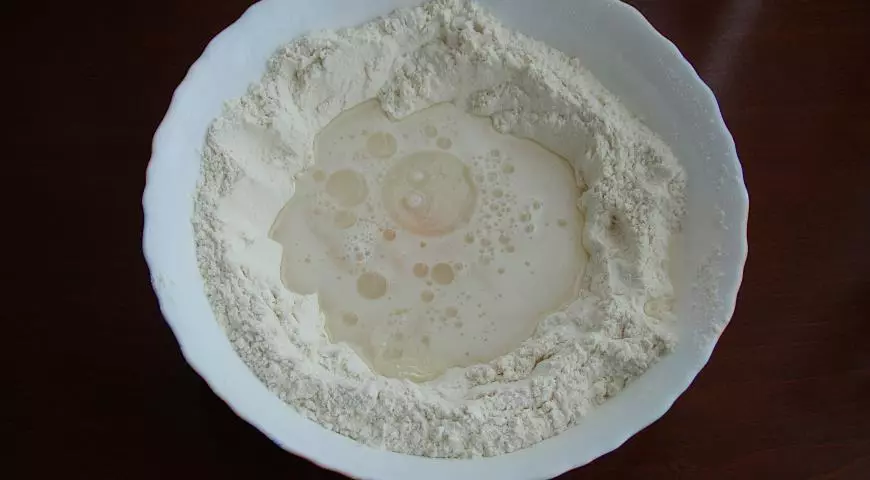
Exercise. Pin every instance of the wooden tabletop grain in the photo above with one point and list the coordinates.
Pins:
(100, 389)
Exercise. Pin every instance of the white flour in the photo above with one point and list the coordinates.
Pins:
(443, 51)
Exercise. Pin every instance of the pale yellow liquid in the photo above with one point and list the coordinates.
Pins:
(434, 242)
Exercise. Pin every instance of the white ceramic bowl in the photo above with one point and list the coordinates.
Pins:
(630, 58)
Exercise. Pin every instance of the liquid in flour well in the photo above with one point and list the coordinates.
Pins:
(433, 242)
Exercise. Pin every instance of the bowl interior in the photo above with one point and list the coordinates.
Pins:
(628, 56)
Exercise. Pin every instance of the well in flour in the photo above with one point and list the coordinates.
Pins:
(424, 192)
(402, 161)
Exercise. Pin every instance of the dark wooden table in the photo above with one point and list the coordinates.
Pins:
(100, 389)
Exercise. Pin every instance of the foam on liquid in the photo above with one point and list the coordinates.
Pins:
(434, 242)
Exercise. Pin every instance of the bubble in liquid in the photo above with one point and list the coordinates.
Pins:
(416, 176)
(443, 274)
(420, 270)
(427, 296)
(350, 319)
(444, 143)
(498, 193)
(347, 187)
(451, 312)
(371, 285)
(430, 131)
(381, 145)
(415, 200)
(344, 219)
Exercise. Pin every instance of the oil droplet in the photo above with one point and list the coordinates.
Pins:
(530, 228)
(444, 143)
(381, 145)
(442, 273)
(389, 235)
(440, 202)
(498, 193)
(469, 238)
(451, 312)
(430, 131)
(347, 187)
(319, 176)
(504, 239)
(350, 319)
(371, 285)
(508, 168)
(344, 219)
(537, 205)
(562, 222)
(420, 270)
(425, 340)
(427, 296)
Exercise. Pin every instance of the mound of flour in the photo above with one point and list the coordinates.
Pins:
(443, 51)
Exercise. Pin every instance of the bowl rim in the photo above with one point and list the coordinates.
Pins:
(198, 360)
